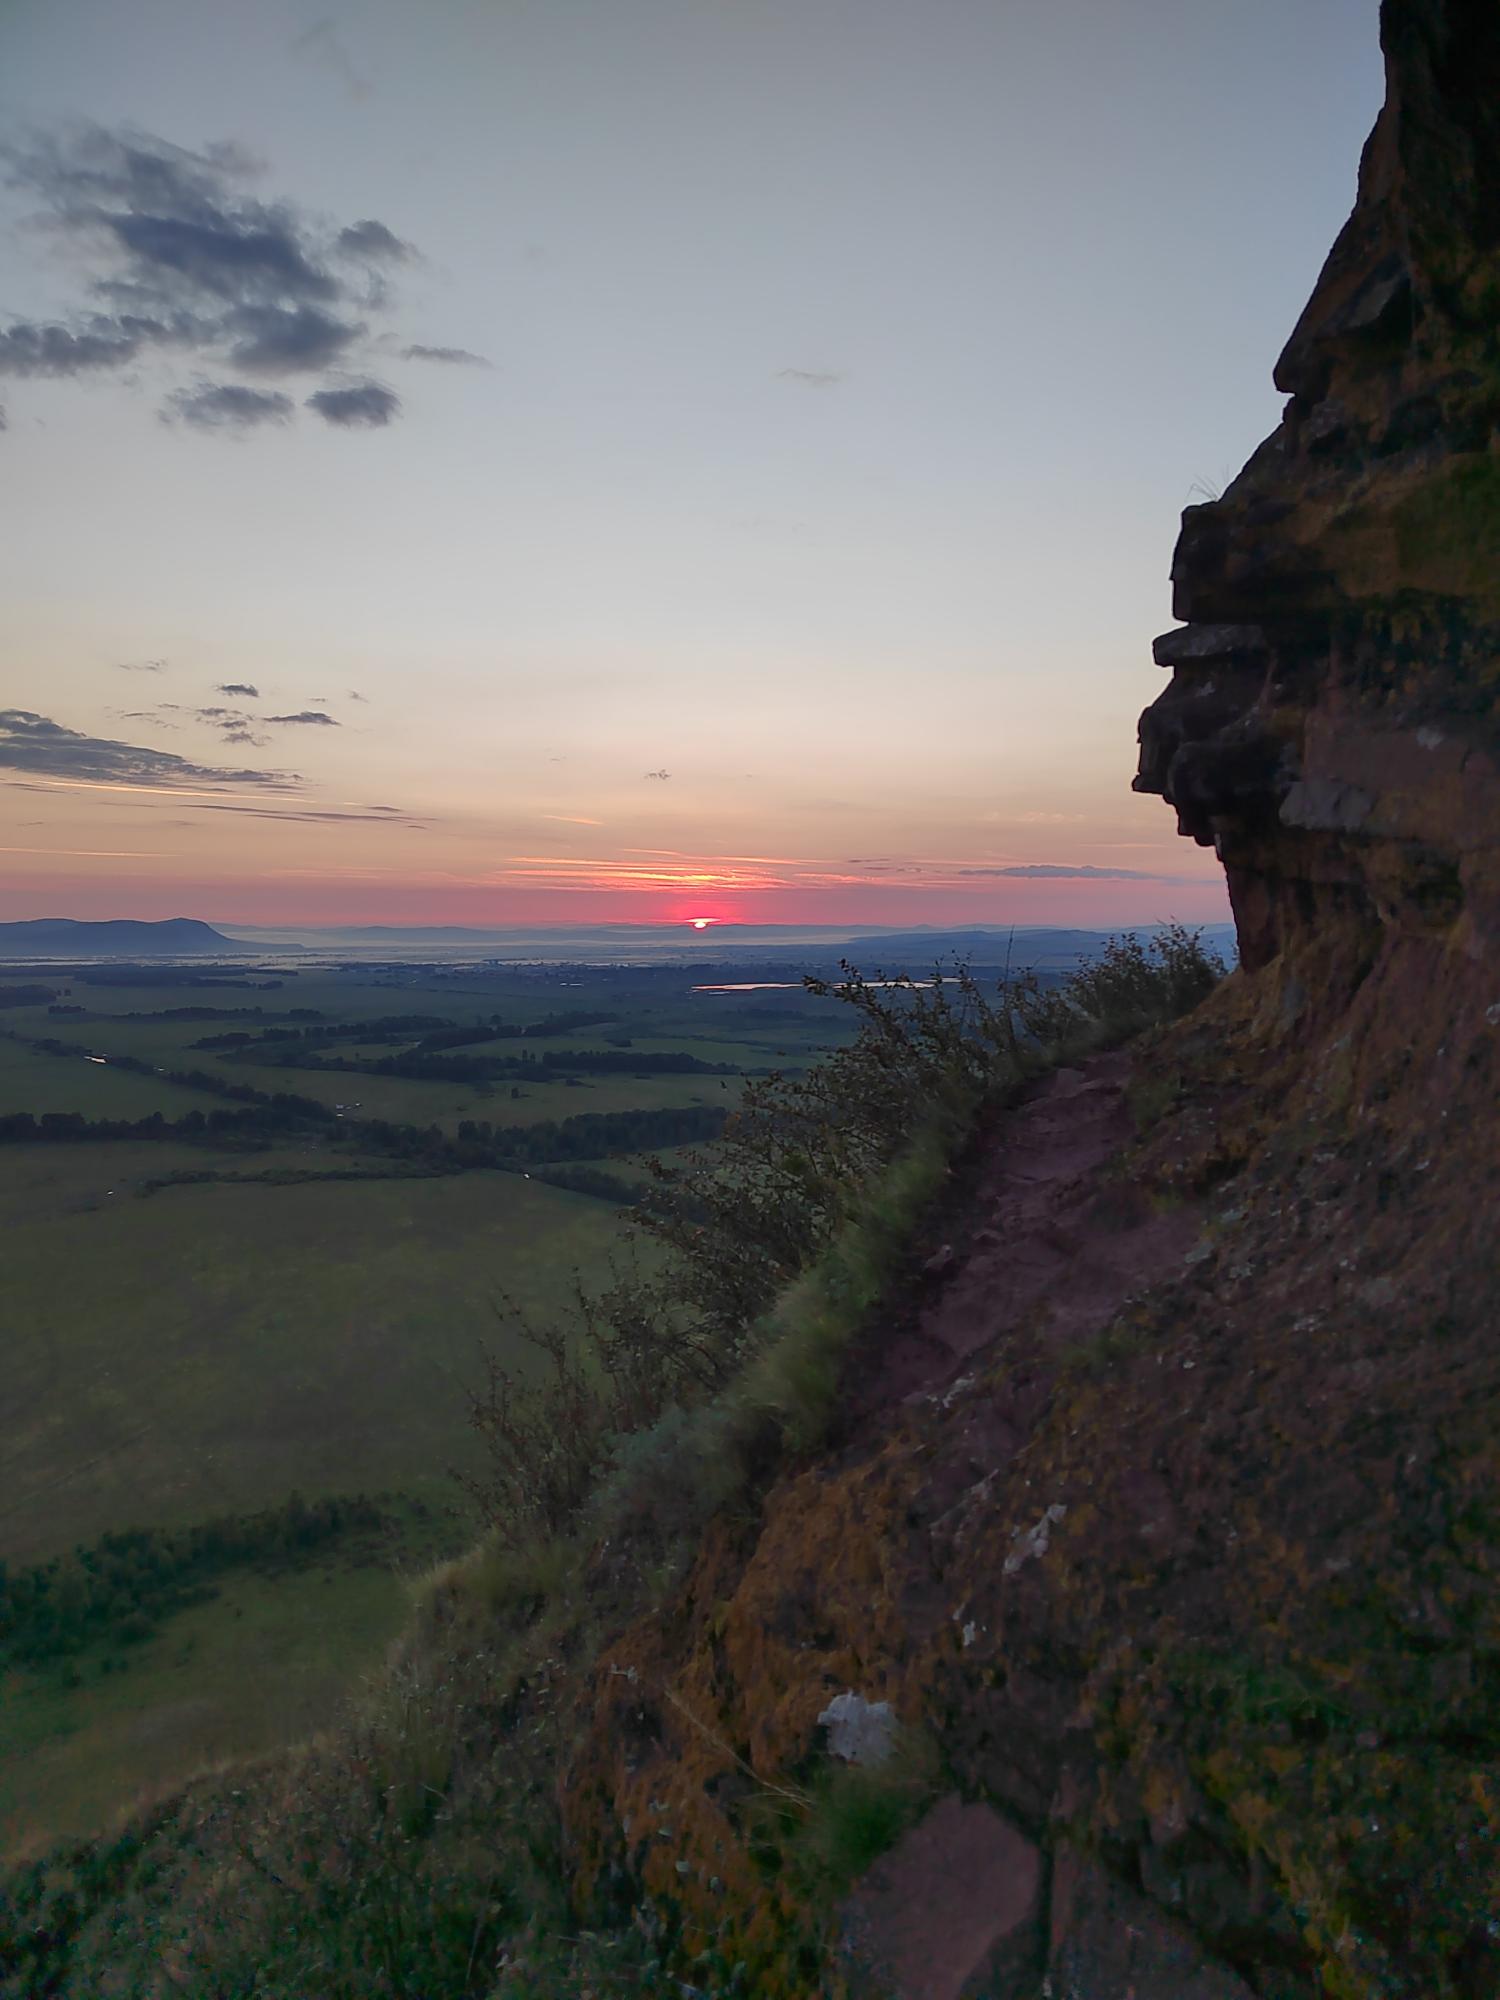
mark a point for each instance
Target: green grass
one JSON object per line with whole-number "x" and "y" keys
{"x": 214, "y": 1347}
{"x": 268, "y": 1661}
{"x": 32, "y": 1081}
{"x": 407, "y": 1102}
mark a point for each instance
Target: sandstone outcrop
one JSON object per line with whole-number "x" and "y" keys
{"x": 1332, "y": 725}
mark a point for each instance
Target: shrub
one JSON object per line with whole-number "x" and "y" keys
{"x": 1131, "y": 986}
{"x": 781, "y": 1239}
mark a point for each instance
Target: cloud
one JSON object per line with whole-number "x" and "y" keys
{"x": 656, "y": 774}
{"x": 181, "y": 232}
{"x": 141, "y": 666}
{"x": 94, "y": 853}
{"x": 228, "y": 406}
{"x": 355, "y": 695}
{"x": 374, "y": 242}
{"x": 235, "y": 725}
{"x": 811, "y": 378}
{"x": 366, "y": 406}
{"x": 380, "y": 815}
{"x": 45, "y": 749}
{"x": 281, "y": 340}
{"x": 223, "y": 252}
{"x": 241, "y": 688}
{"x": 1067, "y": 872}
{"x": 58, "y": 351}
{"x": 458, "y": 356}
{"x": 322, "y": 45}
{"x": 308, "y": 715}
{"x": 181, "y": 255}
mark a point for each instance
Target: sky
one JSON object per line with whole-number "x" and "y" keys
{"x": 522, "y": 461}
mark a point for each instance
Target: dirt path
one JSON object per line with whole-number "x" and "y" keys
{"x": 1046, "y": 1237}
{"x": 1050, "y": 1240}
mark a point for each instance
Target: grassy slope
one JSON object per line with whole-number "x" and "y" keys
{"x": 211, "y": 1348}
{"x": 266, "y": 1662}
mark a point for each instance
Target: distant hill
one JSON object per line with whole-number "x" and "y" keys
{"x": 62, "y": 937}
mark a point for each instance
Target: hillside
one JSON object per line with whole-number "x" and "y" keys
{"x": 124, "y": 937}
{"x": 1083, "y": 1581}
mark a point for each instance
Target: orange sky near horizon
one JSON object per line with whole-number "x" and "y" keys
{"x": 514, "y": 465}
{"x": 577, "y": 841}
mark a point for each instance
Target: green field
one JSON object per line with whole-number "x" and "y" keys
{"x": 209, "y": 1348}
{"x": 38, "y": 1083}
{"x": 213, "y": 1347}
{"x": 270, "y": 1660}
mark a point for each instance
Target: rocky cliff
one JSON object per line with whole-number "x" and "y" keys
{"x": 1331, "y": 723}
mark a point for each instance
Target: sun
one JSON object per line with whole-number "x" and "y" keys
{"x": 702, "y": 923}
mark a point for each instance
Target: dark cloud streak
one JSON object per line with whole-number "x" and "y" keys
{"x": 46, "y": 749}
{"x": 380, "y": 815}
{"x": 458, "y": 357}
{"x": 1066, "y": 872}
{"x": 275, "y": 340}
{"x": 365, "y": 406}
{"x": 195, "y": 262}
{"x": 373, "y": 242}
{"x": 228, "y": 406}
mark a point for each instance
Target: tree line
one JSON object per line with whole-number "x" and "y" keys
{"x": 117, "y": 1590}
{"x": 431, "y": 1033}
{"x": 551, "y": 1066}
{"x": 382, "y": 1028}
{"x": 591, "y": 1136}
{"x": 197, "y": 1014}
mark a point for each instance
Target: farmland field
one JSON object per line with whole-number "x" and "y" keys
{"x": 265, "y": 1266}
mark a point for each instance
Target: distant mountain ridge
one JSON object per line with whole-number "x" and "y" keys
{"x": 125, "y": 937}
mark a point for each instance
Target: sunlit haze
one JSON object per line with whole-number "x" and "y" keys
{"x": 629, "y": 460}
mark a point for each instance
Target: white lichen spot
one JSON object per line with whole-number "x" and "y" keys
{"x": 1033, "y": 1541}
{"x": 859, "y": 1731}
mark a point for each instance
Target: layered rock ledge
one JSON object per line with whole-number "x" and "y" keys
{"x": 1332, "y": 725}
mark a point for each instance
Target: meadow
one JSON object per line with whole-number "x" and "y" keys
{"x": 181, "y": 1345}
